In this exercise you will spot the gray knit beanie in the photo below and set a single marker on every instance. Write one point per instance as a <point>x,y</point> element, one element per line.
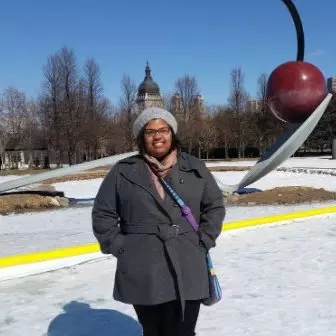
<point>151,113</point>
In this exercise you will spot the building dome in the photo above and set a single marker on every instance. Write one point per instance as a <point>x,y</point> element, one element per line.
<point>148,86</point>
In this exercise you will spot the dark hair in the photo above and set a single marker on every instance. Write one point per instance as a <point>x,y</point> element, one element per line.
<point>176,143</point>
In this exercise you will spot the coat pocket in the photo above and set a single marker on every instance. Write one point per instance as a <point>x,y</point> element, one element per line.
<point>128,243</point>
<point>128,252</point>
<point>140,253</point>
<point>193,237</point>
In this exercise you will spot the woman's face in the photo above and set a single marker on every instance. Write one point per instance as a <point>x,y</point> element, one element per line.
<point>157,138</point>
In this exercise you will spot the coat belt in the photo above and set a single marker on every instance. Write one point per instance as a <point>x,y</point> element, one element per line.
<point>164,231</point>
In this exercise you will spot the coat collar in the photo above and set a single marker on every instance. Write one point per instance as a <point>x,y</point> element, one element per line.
<point>189,163</point>
<point>136,171</point>
<point>185,163</point>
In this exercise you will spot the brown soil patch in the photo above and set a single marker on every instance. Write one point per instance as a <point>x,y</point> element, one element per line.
<point>232,160</point>
<point>228,168</point>
<point>280,195</point>
<point>283,195</point>
<point>102,171</point>
<point>25,202</point>
<point>20,172</point>
<point>106,168</point>
<point>276,196</point>
<point>88,175</point>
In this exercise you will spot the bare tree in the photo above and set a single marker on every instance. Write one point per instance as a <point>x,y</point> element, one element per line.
<point>93,82</point>
<point>267,125</point>
<point>262,87</point>
<point>237,102</point>
<point>209,135</point>
<point>13,108</point>
<point>74,108</point>
<point>14,111</point>
<point>70,115</point>
<point>238,96</point>
<point>323,135</point>
<point>167,101</point>
<point>116,142</point>
<point>128,109</point>
<point>187,89</point>
<point>2,145</point>
<point>225,121</point>
<point>33,136</point>
<point>188,112</point>
<point>263,114</point>
<point>96,107</point>
<point>50,102</point>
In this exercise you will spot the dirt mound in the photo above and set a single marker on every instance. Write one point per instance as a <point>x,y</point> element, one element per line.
<point>283,195</point>
<point>26,202</point>
<point>229,168</point>
<point>17,203</point>
<point>102,171</point>
<point>89,175</point>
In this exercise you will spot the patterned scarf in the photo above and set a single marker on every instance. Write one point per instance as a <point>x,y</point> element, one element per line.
<point>160,168</point>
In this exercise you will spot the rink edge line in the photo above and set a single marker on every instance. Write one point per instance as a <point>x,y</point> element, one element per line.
<point>24,259</point>
<point>278,218</point>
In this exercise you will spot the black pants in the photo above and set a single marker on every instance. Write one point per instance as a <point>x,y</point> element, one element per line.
<point>165,319</point>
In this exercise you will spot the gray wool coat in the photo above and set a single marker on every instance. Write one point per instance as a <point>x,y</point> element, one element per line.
<point>159,256</point>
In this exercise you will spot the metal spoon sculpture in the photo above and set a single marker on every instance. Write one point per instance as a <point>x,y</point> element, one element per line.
<point>297,94</point>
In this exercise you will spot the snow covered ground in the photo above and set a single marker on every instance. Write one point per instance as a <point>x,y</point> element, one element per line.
<point>89,188</point>
<point>293,162</point>
<point>277,280</point>
<point>34,232</point>
<point>281,179</point>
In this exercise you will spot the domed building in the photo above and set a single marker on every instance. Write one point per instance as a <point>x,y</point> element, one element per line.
<point>148,92</point>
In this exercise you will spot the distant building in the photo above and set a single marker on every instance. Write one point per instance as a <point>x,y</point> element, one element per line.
<point>149,96</point>
<point>331,84</point>
<point>148,92</point>
<point>253,105</point>
<point>199,104</point>
<point>177,106</point>
<point>17,154</point>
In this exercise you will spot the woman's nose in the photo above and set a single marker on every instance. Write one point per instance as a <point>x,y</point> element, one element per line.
<point>157,135</point>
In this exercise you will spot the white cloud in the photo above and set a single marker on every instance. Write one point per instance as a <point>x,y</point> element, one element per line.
<point>317,53</point>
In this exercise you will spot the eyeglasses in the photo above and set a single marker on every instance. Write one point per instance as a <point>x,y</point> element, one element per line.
<point>152,132</point>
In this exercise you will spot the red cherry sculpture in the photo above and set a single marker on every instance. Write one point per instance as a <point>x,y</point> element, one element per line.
<point>294,90</point>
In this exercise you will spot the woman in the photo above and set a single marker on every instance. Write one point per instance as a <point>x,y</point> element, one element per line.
<point>161,268</point>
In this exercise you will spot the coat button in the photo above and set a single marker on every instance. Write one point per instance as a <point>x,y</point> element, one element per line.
<point>181,180</point>
<point>175,205</point>
<point>121,250</point>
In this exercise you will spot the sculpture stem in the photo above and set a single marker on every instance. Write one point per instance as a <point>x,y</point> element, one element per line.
<point>299,29</point>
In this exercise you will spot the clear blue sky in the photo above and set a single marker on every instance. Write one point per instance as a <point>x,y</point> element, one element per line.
<point>204,38</point>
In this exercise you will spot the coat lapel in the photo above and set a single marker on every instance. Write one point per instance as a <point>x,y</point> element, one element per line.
<point>139,174</point>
